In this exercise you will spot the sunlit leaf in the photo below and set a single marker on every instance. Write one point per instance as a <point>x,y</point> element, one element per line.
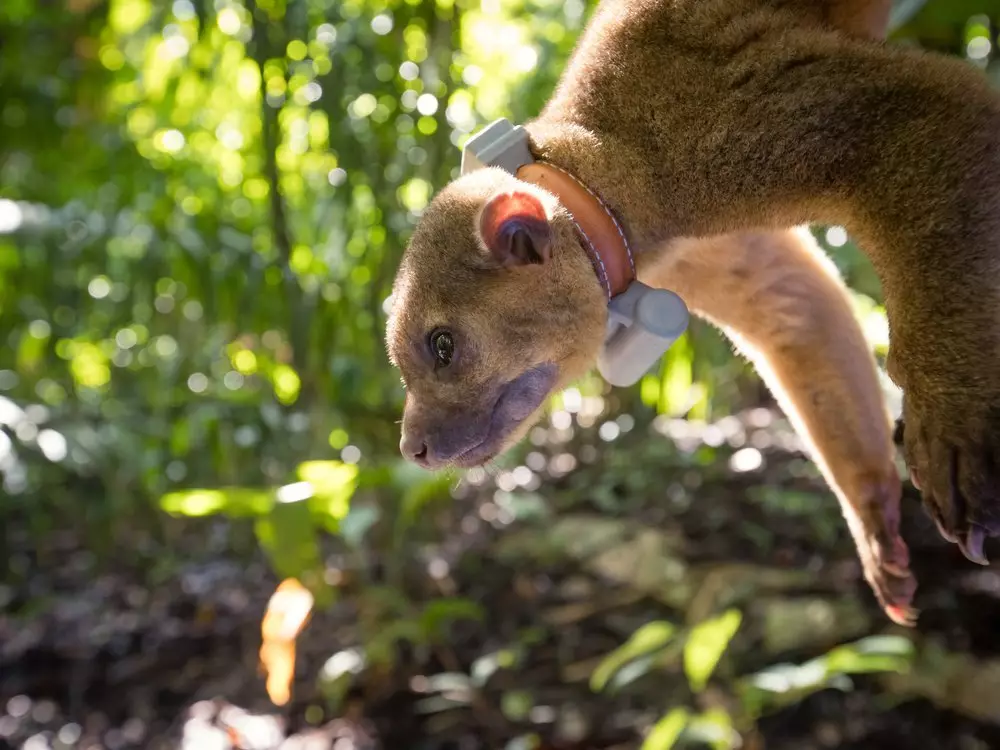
<point>127,16</point>
<point>634,670</point>
<point>439,703</point>
<point>678,378</point>
<point>786,684</point>
<point>333,484</point>
<point>448,681</point>
<point>666,731</point>
<point>234,501</point>
<point>705,645</point>
<point>328,477</point>
<point>713,727</point>
<point>287,613</point>
<point>651,637</point>
<point>90,366</point>
<point>875,654</point>
<point>485,667</point>
<point>516,704</point>
<point>286,384</point>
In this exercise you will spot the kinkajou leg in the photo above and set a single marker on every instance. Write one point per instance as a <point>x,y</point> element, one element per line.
<point>903,149</point>
<point>780,300</point>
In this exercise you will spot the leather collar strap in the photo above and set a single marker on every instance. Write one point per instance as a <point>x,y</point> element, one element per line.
<point>602,234</point>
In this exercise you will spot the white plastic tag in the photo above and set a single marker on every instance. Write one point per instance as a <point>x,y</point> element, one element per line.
<point>643,323</point>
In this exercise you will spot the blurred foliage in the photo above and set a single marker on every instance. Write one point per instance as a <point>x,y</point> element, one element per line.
<point>201,210</point>
<point>203,207</point>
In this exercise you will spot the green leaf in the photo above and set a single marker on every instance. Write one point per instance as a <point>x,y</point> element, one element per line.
<point>448,682</point>
<point>233,501</point>
<point>651,637</point>
<point>786,684</point>
<point>288,536</point>
<point>667,731</point>
<point>517,704</point>
<point>436,704</point>
<point>632,672</point>
<point>381,647</point>
<point>874,654</point>
<point>333,484</point>
<point>487,665</point>
<point>706,644</point>
<point>678,378</point>
<point>713,727</point>
<point>438,613</point>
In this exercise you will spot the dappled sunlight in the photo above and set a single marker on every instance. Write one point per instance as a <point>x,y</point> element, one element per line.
<point>212,540</point>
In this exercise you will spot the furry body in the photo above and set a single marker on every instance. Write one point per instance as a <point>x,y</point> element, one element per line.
<point>712,128</point>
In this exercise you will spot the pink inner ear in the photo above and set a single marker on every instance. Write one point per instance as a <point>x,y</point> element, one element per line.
<point>510,217</point>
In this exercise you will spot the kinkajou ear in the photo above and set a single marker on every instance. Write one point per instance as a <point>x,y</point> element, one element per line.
<point>516,230</point>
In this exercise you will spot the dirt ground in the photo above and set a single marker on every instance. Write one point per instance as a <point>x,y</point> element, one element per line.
<point>128,653</point>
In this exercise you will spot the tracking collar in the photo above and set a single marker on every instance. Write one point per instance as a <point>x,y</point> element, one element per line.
<point>642,322</point>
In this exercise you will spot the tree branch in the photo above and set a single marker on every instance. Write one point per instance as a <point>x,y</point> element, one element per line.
<point>260,50</point>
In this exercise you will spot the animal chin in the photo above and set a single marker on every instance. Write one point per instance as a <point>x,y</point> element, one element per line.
<point>517,401</point>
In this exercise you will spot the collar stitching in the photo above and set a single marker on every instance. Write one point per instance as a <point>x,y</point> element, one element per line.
<point>621,233</point>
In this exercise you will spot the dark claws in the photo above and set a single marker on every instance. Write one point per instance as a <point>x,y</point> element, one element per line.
<point>947,535</point>
<point>972,545</point>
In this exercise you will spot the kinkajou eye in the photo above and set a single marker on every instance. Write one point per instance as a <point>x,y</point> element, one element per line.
<point>442,347</point>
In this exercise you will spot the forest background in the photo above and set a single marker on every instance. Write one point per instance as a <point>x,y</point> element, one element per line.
<point>201,210</point>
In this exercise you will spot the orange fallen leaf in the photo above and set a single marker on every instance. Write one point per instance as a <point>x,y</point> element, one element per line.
<point>287,614</point>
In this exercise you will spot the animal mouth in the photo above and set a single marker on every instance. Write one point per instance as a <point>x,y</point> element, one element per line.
<point>490,446</point>
<point>517,401</point>
<point>482,453</point>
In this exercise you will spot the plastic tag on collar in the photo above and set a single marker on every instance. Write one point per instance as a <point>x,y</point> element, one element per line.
<point>643,323</point>
<point>499,144</point>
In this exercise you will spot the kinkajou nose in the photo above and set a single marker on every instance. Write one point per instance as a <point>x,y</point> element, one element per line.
<point>413,449</point>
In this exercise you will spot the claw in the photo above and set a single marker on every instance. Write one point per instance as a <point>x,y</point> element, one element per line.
<point>972,545</point>
<point>899,571</point>
<point>948,536</point>
<point>905,616</point>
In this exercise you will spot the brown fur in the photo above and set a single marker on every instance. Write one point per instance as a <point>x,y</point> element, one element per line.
<point>781,301</point>
<point>695,119</point>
